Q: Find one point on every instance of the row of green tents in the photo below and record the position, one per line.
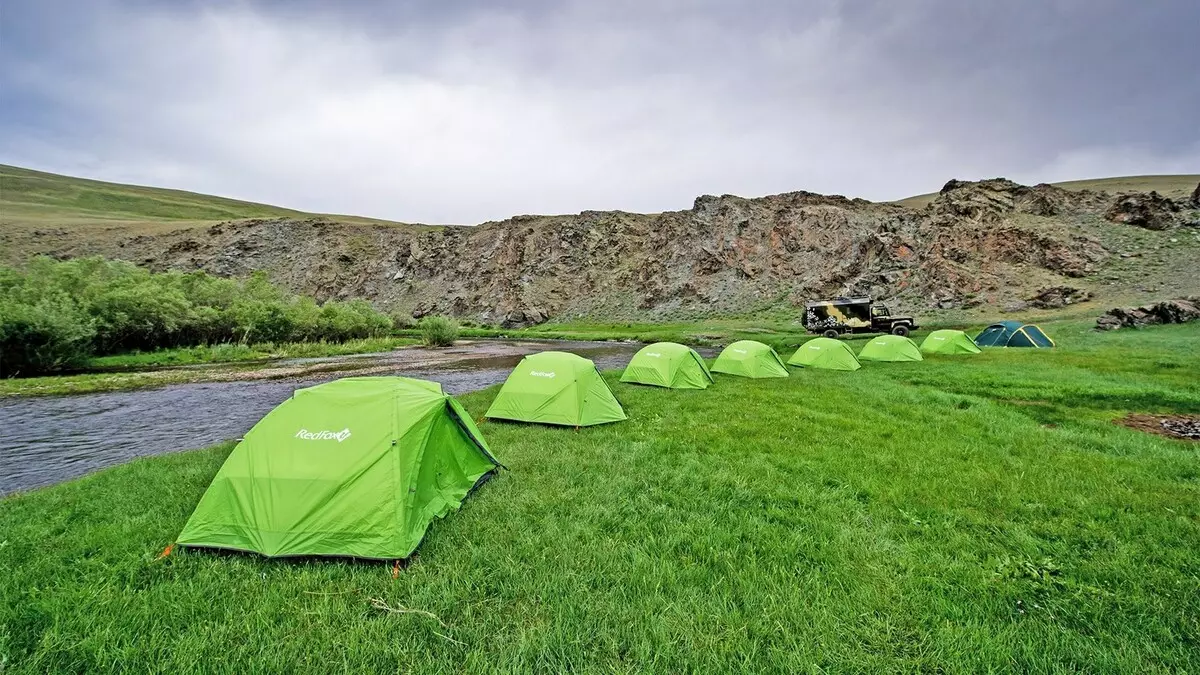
(362, 466)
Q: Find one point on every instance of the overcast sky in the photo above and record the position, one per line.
(461, 112)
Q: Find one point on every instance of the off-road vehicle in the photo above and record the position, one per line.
(854, 315)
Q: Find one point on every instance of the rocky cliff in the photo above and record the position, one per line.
(990, 242)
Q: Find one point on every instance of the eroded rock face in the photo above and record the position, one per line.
(1178, 310)
(1149, 210)
(996, 198)
(1196, 196)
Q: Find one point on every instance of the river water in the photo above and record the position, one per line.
(46, 440)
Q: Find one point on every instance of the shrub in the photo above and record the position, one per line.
(54, 314)
(50, 335)
(438, 331)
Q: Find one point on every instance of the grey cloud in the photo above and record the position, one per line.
(463, 112)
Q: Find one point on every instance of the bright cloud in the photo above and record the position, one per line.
(475, 114)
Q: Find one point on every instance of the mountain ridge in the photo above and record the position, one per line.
(988, 246)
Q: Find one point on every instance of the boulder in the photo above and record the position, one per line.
(1149, 210)
(1059, 296)
(1178, 310)
(521, 318)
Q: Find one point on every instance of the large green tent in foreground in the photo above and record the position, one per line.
(556, 388)
(356, 467)
(825, 353)
(890, 348)
(949, 342)
(748, 358)
(668, 364)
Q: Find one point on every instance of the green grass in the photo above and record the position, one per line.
(1177, 186)
(39, 198)
(965, 514)
(35, 194)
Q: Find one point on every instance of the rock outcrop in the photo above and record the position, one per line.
(986, 242)
(1178, 310)
(1149, 210)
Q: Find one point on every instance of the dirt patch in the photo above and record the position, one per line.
(1184, 427)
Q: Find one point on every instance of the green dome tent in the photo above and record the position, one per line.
(356, 467)
(826, 353)
(747, 358)
(890, 348)
(668, 364)
(1013, 334)
(948, 342)
(556, 388)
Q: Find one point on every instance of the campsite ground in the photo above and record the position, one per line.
(963, 514)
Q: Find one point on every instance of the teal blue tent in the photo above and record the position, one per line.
(1013, 334)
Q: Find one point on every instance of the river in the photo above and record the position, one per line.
(47, 440)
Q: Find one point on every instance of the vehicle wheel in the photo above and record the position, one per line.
(831, 333)
(900, 330)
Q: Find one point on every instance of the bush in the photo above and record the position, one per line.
(51, 334)
(438, 331)
(55, 314)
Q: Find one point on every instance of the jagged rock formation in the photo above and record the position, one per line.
(1178, 310)
(1149, 210)
(1059, 296)
(991, 241)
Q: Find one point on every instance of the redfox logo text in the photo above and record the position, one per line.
(338, 436)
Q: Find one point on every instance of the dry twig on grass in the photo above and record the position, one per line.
(379, 604)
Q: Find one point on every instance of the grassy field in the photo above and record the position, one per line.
(966, 514)
(1178, 186)
(28, 194)
(37, 198)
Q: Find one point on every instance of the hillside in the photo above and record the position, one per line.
(37, 198)
(983, 247)
(50, 198)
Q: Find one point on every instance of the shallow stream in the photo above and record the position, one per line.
(46, 440)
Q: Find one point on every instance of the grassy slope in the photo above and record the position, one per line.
(961, 514)
(35, 195)
(1174, 186)
(29, 197)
